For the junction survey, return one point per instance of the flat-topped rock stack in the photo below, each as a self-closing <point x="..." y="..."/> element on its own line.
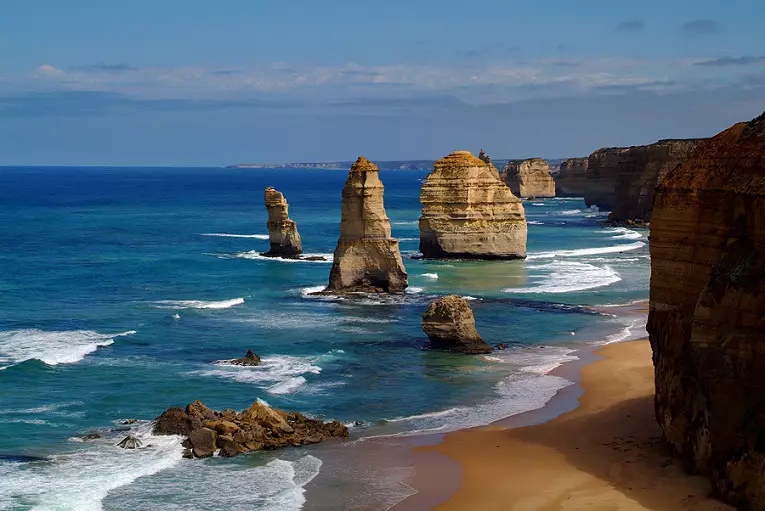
<point x="469" y="213"/>
<point x="572" y="178"/>
<point x="529" y="178"/>
<point x="367" y="258"/>
<point x="707" y="311"/>
<point x="282" y="232"/>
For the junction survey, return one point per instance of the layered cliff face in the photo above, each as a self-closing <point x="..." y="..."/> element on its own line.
<point x="529" y="178"/>
<point x="367" y="258"/>
<point x="707" y="311"/>
<point x="468" y="213"/>
<point x="602" y="173"/>
<point x="450" y="324"/>
<point x="572" y="178"/>
<point x="282" y="232"/>
<point x="638" y="174"/>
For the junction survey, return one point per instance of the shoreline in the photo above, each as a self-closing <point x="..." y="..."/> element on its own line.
<point x="606" y="449"/>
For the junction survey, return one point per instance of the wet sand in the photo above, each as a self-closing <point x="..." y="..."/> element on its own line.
<point x="604" y="454"/>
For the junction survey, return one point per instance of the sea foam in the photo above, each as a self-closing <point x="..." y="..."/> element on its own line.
<point x="579" y="252"/>
<point x="568" y="277"/>
<point x="277" y="374"/>
<point x="51" y="347"/>
<point x="224" y="235"/>
<point x="198" y="304"/>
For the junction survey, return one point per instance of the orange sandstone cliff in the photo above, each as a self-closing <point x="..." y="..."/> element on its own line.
<point x="572" y="178"/>
<point x="707" y="311"/>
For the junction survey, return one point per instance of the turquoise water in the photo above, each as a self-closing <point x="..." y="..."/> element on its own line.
<point x="121" y="287"/>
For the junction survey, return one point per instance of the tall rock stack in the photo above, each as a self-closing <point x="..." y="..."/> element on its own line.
<point x="468" y="213"/>
<point x="707" y="311"/>
<point x="367" y="258"/>
<point x="282" y="232"/>
<point x="529" y="178"/>
<point x="572" y="178"/>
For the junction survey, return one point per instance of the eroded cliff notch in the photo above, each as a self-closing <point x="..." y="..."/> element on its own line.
<point x="707" y="311"/>
<point x="469" y="213"/>
<point x="367" y="258"/>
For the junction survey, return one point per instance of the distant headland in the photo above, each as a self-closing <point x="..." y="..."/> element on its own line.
<point x="344" y="165"/>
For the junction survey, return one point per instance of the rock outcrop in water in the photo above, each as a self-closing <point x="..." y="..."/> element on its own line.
<point x="282" y="232"/>
<point x="367" y="258"/>
<point x="450" y="324"/>
<point x="622" y="179"/>
<point x="468" y="213"/>
<point x="572" y="178"/>
<point x="249" y="359"/>
<point x="529" y="178"/>
<point x="229" y="433"/>
<point x="707" y="311"/>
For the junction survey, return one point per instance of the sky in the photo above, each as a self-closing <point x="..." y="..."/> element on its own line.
<point x="198" y="83"/>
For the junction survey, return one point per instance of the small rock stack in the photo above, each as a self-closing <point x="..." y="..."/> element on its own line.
<point x="282" y="232"/>
<point x="450" y="324"/>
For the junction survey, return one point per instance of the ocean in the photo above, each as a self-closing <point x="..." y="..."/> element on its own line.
<point x="121" y="287"/>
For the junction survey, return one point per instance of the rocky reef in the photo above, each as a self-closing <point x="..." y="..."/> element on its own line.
<point x="572" y="178"/>
<point x="450" y="324"/>
<point x="229" y="433"/>
<point x="529" y="178"/>
<point x="707" y="311"/>
<point x="622" y="179"/>
<point x="282" y="232"/>
<point x="367" y="258"/>
<point x="468" y="212"/>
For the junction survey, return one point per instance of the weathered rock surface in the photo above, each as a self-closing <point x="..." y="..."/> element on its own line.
<point x="487" y="160"/>
<point x="469" y="213"/>
<point x="707" y="311"/>
<point x="450" y="324"/>
<point x="249" y="359"/>
<point x="282" y="232"/>
<point x="130" y="442"/>
<point x="622" y="179"/>
<point x="572" y="178"/>
<point x="367" y="258"/>
<point x="258" y="427"/>
<point x="640" y="172"/>
<point x="529" y="178"/>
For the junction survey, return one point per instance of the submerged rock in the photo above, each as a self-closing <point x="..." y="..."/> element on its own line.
<point x="529" y="178"/>
<point x="469" y="213"/>
<point x="230" y="433"/>
<point x="130" y="442"/>
<point x="282" y="232"/>
<point x="367" y="258"/>
<point x="250" y="359"/>
<point x="450" y="324"/>
<point x="707" y="311"/>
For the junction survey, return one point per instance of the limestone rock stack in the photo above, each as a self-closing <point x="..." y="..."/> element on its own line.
<point x="468" y="213"/>
<point x="367" y="258"/>
<point x="282" y="232"/>
<point x="707" y="311"/>
<point x="450" y="324"/>
<point x="602" y="173"/>
<point x="572" y="178"/>
<point x="529" y="178"/>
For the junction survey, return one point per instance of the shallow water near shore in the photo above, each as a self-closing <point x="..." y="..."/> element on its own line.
<point x="121" y="288"/>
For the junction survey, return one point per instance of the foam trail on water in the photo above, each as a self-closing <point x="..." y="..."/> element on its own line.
<point x="568" y="277"/>
<point x="430" y="275"/>
<point x="80" y="480"/>
<point x="224" y="235"/>
<point x="588" y="251"/>
<point x="257" y="256"/>
<point x="51" y="347"/>
<point x="198" y="304"/>
<point x="622" y="233"/>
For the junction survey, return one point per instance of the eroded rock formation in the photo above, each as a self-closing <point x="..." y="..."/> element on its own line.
<point x="450" y="324"/>
<point x="572" y="178"/>
<point x="367" y="258"/>
<point x="229" y="433"/>
<point x="707" y="311"/>
<point x="282" y="232"/>
<point x="529" y="178"/>
<point x="468" y="213"/>
<point x="487" y="160"/>
<point x="622" y="179"/>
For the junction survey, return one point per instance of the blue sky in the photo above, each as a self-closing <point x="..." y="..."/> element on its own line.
<point x="200" y="83"/>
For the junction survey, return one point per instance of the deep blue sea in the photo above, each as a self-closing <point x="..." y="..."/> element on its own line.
<point x="120" y="288"/>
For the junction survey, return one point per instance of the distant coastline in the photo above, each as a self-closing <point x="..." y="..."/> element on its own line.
<point x="384" y="165"/>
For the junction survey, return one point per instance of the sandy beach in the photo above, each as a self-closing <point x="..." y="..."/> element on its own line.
<point x="606" y="454"/>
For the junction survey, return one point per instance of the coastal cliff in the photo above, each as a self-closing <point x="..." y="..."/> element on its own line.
<point x="706" y="311"/>
<point x="367" y="258"/>
<point x="572" y="178"/>
<point x="468" y="213"/>
<point x="282" y="232"/>
<point x="529" y="178"/>
<point x="622" y="179"/>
